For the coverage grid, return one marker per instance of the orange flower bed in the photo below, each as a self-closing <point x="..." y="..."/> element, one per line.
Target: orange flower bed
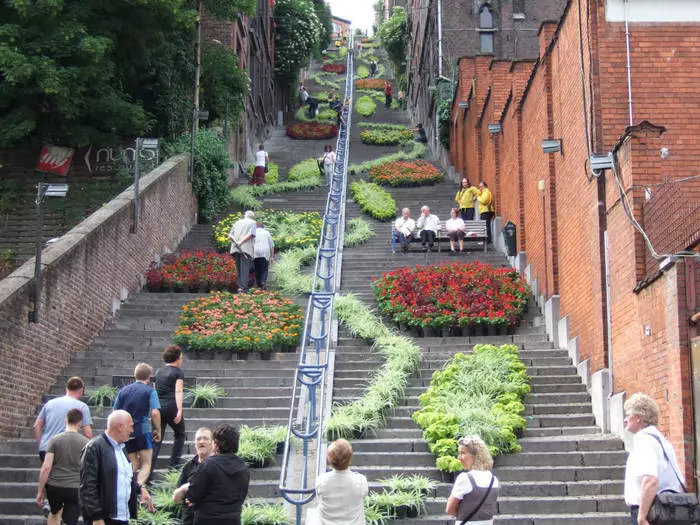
<point x="405" y="173"/>
<point x="370" y="83"/>
<point x="311" y="130"/>
<point x="334" y="68"/>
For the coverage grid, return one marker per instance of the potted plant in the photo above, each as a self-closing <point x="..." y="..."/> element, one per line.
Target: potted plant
<point x="257" y="447"/>
<point x="206" y="395"/>
<point x="102" y="396"/>
<point x="375" y="515"/>
<point x="448" y="466"/>
<point x="278" y="434"/>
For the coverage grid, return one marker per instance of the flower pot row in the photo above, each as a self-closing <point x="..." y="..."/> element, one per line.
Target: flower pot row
<point x="228" y="355"/>
<point x="458" y="331"/>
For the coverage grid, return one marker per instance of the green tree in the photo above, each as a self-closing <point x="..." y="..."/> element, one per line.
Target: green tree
<point x="298" y="34"/>
<point x="323" y="12"/>
<point x="393" y="36"/>
<point x="222" y="82"/>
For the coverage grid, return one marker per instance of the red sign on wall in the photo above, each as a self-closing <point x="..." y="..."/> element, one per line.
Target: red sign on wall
<point x="55" y="159"/>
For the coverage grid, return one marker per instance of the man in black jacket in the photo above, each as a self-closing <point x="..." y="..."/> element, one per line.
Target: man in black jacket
<point x="108" y="487"/>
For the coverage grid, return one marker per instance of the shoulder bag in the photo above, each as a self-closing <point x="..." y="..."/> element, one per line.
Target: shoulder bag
<point x="673" y="508"/>
<point x="486" y="495"/>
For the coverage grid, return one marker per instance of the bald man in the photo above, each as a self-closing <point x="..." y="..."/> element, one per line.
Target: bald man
<point x="108" y="488"/>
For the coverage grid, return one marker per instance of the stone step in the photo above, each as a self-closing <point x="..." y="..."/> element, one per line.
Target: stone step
<point x="563" y="459"/>
<point x="560" y="473"/>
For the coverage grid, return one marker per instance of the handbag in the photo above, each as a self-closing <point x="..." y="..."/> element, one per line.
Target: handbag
<point x="673" y="508"/>
<point x="486" y="495"/>
<point x="266" y="168"/>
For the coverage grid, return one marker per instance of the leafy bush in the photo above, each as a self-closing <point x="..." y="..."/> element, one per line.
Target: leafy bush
<point x="324" y="115"/>
<point x="362" y="71"/>
<point x="380" y="125"/>
<point x="245" y="196"/>
<point x="272" y="175"/>
<point x="304" y="170"/>
<point x="479" y="394"/>
<point x="365" y="106"/>
<point x="388" y="385"/>
<point x="373" y="200"/>
<point x="405" y="173"/>
<point x="298" y="32"/>
<point x="288" y="229"/>
<point x="383" y="137"/>
<point x="444" y="123"/>
<point x="210" y="164"/>
<point x="414" y="150"/>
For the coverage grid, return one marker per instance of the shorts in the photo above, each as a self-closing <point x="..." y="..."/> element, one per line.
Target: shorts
<point x="64" y="498"/>
<point x="136" y="443"/>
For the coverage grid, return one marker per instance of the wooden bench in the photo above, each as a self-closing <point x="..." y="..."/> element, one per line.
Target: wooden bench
<point x="475" y="232"/>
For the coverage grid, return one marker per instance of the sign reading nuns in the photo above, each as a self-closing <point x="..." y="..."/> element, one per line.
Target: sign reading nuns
<point x="109" y="160"/>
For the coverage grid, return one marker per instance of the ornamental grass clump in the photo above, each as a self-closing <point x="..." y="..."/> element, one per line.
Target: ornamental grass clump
<point x="384" y="137"/>
<point x="246" y="197"/>
<point x="257" y="321"/>
<point x="285" y="274"/>
<point x="479" y="394"/>
<point x="265" y="514"/>
<point x="388" y="385"/>
<point x="288" y="229"/>
<point x="190" y="271"/>
<point x="405" y="173"/>
<point x="373" y="200"/>
<point x="306" y="169"/>
<point x="365" y="106"/>
<point x="453" y="295"/>
<point x="358" y="231"/>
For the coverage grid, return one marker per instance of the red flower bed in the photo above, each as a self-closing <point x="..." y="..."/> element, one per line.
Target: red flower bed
<point x="450" y="295"/>
<point x="370" y="83"/>
<point x="311" y="130"/>
<point x="405" y="173"/>
<point x="334" y="68"/>
<point x="197" y="271"/>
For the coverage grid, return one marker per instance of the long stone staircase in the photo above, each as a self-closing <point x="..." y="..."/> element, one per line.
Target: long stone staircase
<point x="567" y="473"/>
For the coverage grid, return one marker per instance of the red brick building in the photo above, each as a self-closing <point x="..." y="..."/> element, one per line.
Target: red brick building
<point x="341" y="27"/>
<point x="623" y="313"/>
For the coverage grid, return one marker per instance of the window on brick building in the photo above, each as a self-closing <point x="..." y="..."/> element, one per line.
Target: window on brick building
<point x="486" y="30"/>
<point x="518" y="7"/>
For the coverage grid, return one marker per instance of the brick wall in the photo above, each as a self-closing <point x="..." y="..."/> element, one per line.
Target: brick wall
<point x="84" y="273"/>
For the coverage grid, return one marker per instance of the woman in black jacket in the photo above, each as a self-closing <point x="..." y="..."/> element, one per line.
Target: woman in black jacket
<point x="220" y="485"/>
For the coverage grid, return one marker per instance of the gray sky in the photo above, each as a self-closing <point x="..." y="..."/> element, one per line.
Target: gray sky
<point x="359" y="11"/>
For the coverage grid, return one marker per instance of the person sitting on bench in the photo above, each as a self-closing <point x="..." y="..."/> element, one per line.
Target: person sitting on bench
<point x="428" y="224"/>
<point x="455" y="230"/>
<point x="405" y="226"/>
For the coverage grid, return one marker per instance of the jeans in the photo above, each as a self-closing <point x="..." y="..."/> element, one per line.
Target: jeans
<point x="328" y="169"/>
<point x="634" y="512"/>
<point x="488" y="217"/>
<point x="427" y="236"/>
<point x="243" y="266"/>
<point x="167" y="415"/>
<point x="261" y="267"/>
<point x="467" y="214"/>
<point x="404" y="240"/>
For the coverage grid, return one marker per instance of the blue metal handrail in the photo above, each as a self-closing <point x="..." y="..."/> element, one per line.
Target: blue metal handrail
<point x="309" y="392"/>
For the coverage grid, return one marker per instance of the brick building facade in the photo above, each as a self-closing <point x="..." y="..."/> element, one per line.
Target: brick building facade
<point x="624" y="320"/>
<point x="500" y="29"/>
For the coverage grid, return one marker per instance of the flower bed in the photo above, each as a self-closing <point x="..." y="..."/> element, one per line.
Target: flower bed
<point x="373" y="200"/>
<point x="479" y="394"/>
<point x="257" y="321"/>
<point x="386" y="137"/>
<point x="304" y="170"/>
<point x="324" y="114"/>
<point x="288" y="229"/>
<point x="412" y="150"/>
<point x="193" y="271"/>
<point x="405" y="173"/>
<point x="370" y="83"/>
<point x="334" y="68"/>
<point x="365" y="106"/>
<point x="453" y="295"/>
<point x="272" y="175"/>
<point x="311" y="130"/>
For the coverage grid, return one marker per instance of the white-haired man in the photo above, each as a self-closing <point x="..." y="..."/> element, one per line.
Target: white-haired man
<point x="242" y="235"/>
<point x="204" y="446"/>
<point x="405" y="226"/>
<point x="428" y="224"/>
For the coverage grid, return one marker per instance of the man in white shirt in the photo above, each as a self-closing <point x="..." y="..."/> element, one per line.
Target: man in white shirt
<point x="242" y="235"/>
<point x="405" y="226"/>
<point x="264" y="253"/>
<point x="428" y="224"/>
<point x="651" y="466"/>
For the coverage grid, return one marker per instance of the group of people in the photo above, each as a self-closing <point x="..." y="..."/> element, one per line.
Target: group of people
<point x="253" y="249"/>
<point x="428" y="224"/>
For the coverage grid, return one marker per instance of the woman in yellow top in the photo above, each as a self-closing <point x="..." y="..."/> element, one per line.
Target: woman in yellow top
<point x="486" y="208"/>
<point x="465" y="200"/>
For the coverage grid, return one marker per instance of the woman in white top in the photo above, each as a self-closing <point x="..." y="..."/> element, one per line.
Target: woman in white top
<point x="261" y="160"/>
<point x="455" y="230"/>
<point x="475" y="491"/>
<point x="328" y="160"/>
<point x="341" y="492"/>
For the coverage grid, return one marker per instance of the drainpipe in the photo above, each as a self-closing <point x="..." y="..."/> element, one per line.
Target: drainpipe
<point x="439" y="28"/>
<point x="629" y="64"/>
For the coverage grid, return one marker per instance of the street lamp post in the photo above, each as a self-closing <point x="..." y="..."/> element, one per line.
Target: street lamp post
<point x="43" y="190"/>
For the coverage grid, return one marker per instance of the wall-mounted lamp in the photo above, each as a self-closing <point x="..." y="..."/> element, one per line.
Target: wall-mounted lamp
<point x="495" y="128"/>
<point x="599" y="163"/>
<point x="463" y="105"/>
<point x="551" y="145"/>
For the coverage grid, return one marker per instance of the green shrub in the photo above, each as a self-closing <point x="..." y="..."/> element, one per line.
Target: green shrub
<point x="386" y="137"/>
<point x="210" y="164"/>
<point x="365" y="106"/>
<point x="245" y="197"/>
<point x="325" y="114"/>
<point x="373" y="200"/>
<point x="272" y="175"/>
<point x="343" y="52"/>
<point x="479" y="394"/>
<point x="380" y="125"/>
<point x="362" y="71"/>
<point x="304" y="170"/>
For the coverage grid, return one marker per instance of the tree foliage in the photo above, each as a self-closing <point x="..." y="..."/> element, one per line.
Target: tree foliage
<point x="393" y="36"/>
<point x="222" y="82"/>
<point x="323" y="12"/>
<point x="298" y="34"/>
<point x="229" y="9"/>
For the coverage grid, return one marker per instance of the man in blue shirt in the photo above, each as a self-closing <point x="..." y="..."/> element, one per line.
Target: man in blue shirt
<point x="52" y="418"/>
<point x="140" y="400"/>
<point x="107" y="499"/>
